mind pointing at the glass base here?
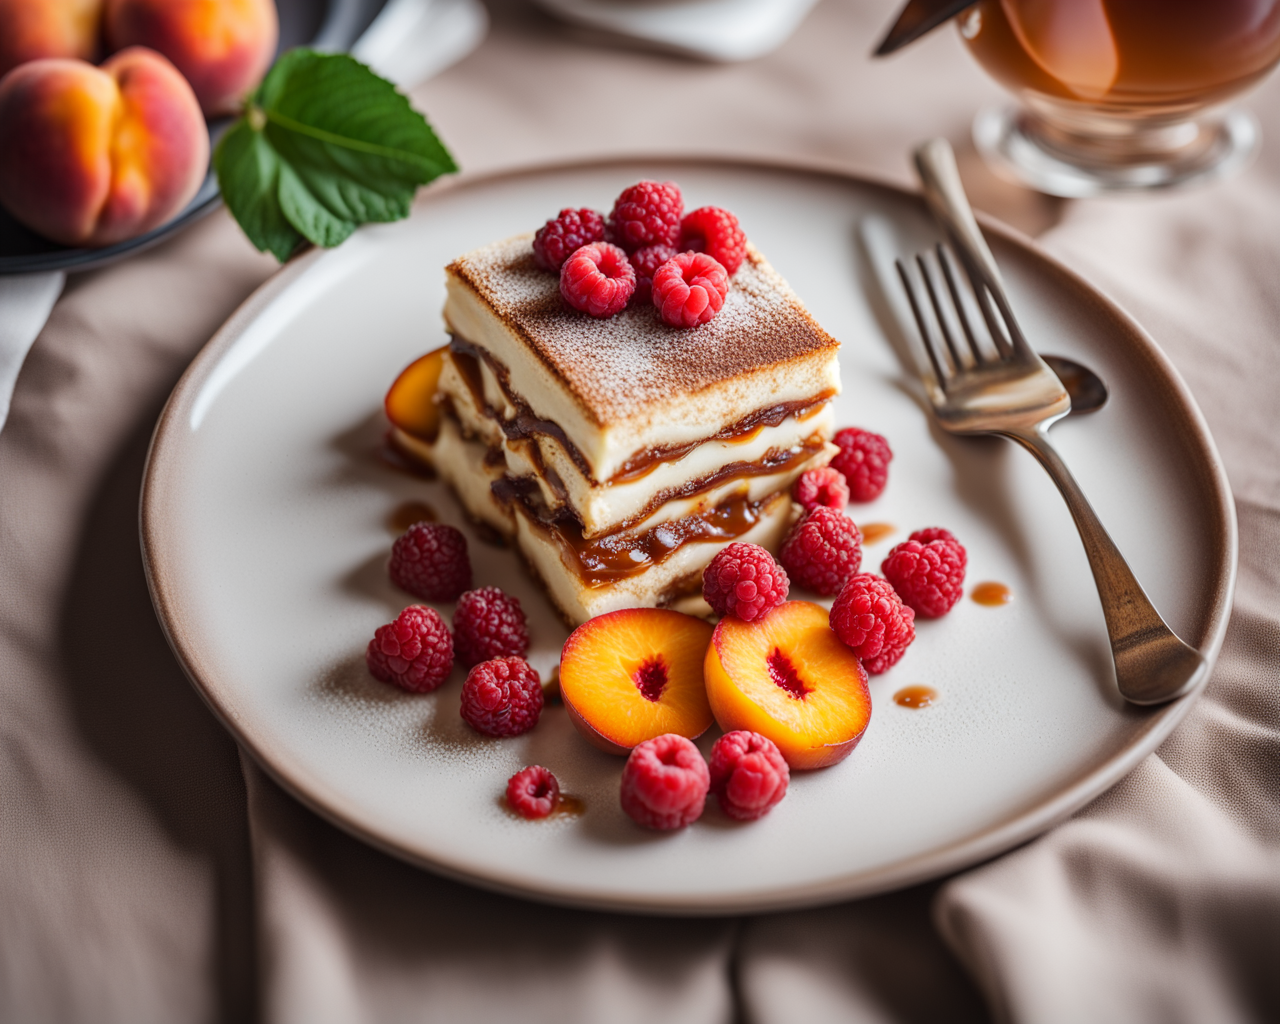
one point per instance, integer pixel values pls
(1073, 160)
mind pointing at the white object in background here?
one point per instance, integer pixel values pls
(411, 40)
(27, 301)
(721, 30)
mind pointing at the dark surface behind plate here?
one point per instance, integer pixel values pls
(323, 24)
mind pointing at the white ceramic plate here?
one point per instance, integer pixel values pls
(264, 519)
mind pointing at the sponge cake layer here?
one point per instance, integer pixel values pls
(630, 383)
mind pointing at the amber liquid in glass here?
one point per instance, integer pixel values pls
(1142, 56)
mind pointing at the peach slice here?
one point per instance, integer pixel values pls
(410, 403)
(631, 675)
(787, 676)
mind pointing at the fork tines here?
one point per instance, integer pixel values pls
(956, 309)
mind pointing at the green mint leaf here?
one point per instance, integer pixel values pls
(248, 172)
(325, 145)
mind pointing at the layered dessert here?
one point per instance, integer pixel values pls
(619, 455)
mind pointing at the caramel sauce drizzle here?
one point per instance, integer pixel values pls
(992, 594)
(777, 460)
(742, 432)
(570, 805)
(467, 358)
(915, 697)
(405, 515)
(616, 556)
(551, 688)
(872, 532)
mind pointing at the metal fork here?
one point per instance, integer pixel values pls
(1005, 388)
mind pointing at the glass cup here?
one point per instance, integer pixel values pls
(1120, 95)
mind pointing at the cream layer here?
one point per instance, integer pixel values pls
(664, 492)
(606, 447)
(648, 589)
(461, 463)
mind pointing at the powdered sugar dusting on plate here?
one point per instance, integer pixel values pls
(619, 367)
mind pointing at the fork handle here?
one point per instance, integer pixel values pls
(944, 192)
(1152, 664)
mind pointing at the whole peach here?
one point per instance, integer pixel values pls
(224, 47)
(31, 29)
(92, 156)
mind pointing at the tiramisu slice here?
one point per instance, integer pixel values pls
(620, 454)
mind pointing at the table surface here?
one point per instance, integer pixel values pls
(148, 872)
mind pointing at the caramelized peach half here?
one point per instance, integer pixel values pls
(631, 675)
(411, 403)
(787, 676)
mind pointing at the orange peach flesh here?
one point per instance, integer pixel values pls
(631, 675)
(788, 677)
(410, 404)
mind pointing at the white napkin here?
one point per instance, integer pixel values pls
(26, 300)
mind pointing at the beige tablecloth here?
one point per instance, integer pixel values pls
(149, 873)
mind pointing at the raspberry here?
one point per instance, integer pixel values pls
(489, 624)
(714, 231)
(647, 213)
(822, 550)
(864, 460)
(932, 533)
(743, 580)
(823, 486)
(597, 279)
(502, 697)
(927, 574)
(559, 238)
(664, 783)
(646, 262)
(748, 774)
(430, 561)
(873, 622)
(415, 651)
(689, 289)
(533, 792)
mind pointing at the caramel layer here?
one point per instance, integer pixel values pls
(774, 461)
(604, 560)
(525, 424)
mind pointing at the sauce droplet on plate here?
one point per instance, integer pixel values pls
(551, 688)
(404, 516)
(570, 804)
(992, 594)
(872, 532)
(915, 696)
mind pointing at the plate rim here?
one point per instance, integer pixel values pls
(164, 456)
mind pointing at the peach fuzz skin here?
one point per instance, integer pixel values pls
(631, 675)
(31, 29)
(93, 156)
(223, 47)
(816, 730)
